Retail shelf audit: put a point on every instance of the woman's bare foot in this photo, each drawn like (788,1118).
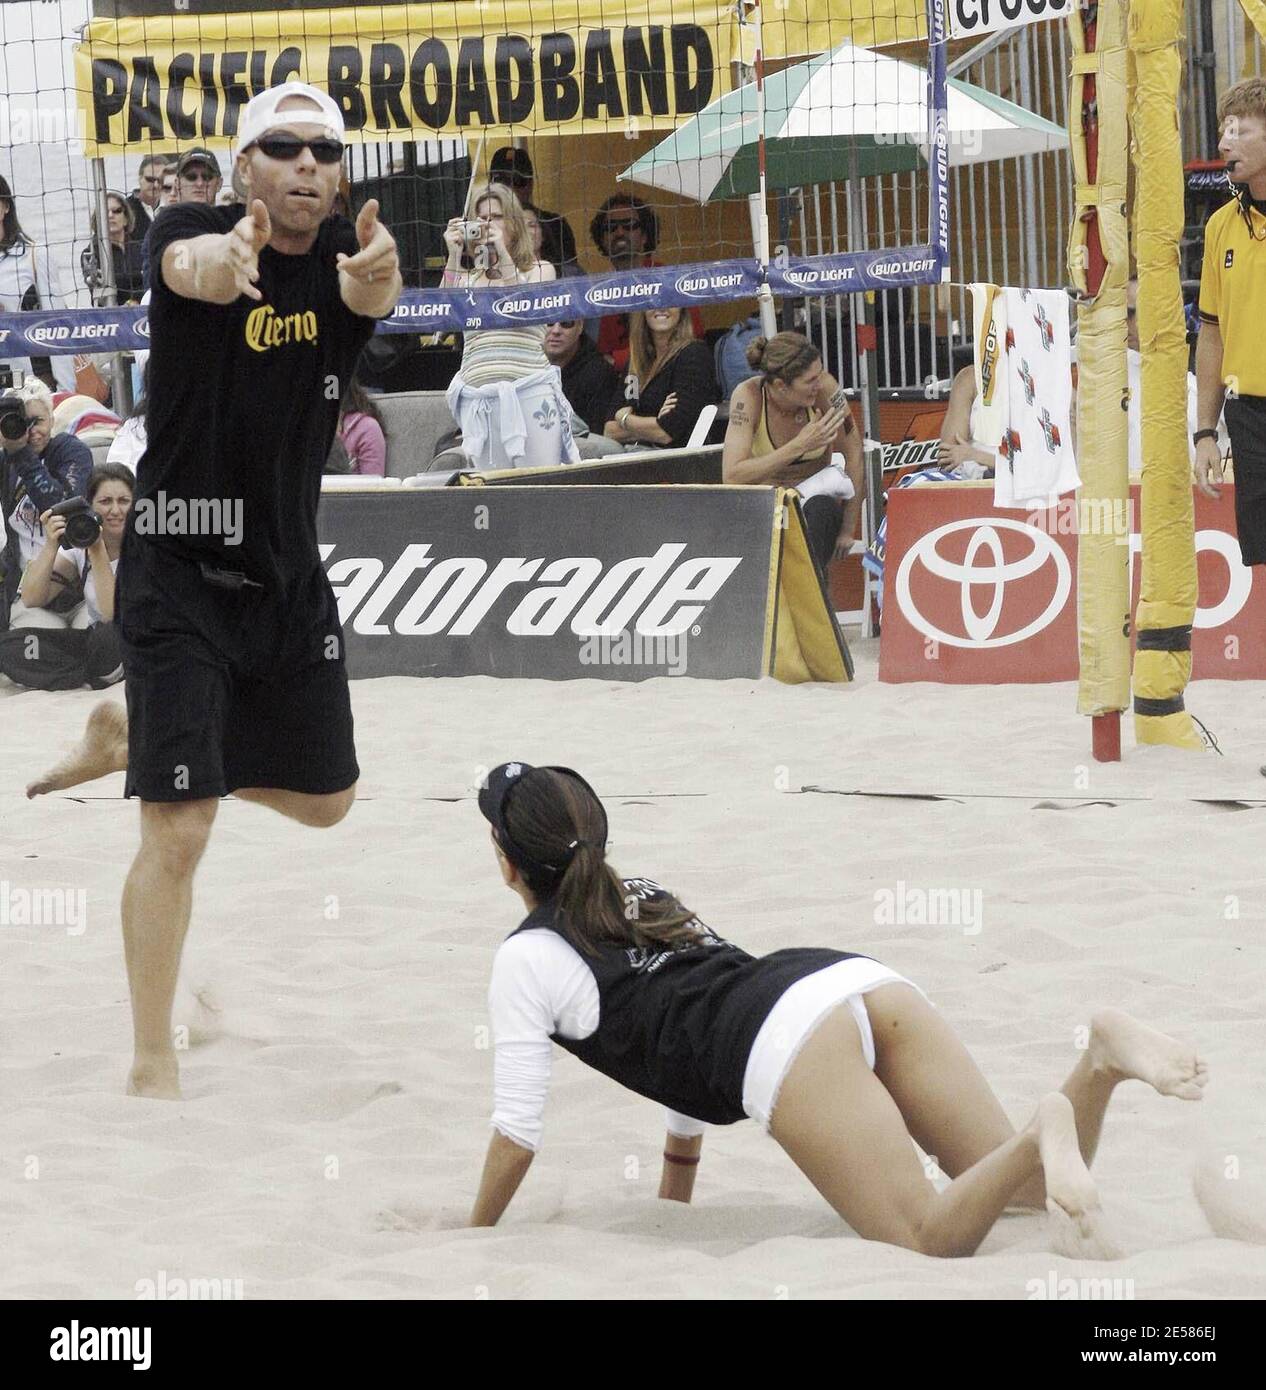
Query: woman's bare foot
(102,750)
(155,1077)
(1071,1195)
(1128,1050)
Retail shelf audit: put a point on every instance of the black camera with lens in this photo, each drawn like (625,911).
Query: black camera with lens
(13,423)
(83,525)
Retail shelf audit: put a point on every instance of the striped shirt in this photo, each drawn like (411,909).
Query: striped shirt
(491,355)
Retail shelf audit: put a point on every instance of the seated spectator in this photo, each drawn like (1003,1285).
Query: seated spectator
(360,431)
(28,281)
(507,399)
(125,252)
(532,216)
(128,444)
(40,470)
(670,381)
(731,354)
(147,197)
(70,593)
(513,167)
(198,180)
(784,426)
(171,191)
(961,449)
(590,383)
(626,231)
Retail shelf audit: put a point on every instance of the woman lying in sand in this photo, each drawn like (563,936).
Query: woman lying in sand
(840,1058)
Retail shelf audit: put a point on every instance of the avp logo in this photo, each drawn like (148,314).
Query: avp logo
(1037,549)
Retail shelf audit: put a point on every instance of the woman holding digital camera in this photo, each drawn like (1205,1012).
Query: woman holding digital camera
(85,650)
(506,397)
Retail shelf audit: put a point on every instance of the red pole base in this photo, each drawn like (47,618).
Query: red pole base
(1105,736)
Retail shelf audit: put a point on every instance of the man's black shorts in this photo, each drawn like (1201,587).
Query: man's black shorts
(1246,425)
(230,689)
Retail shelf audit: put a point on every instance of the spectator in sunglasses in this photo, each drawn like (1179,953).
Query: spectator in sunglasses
(590,383)
(626,231)
(197,179)
(147,197)
(198,173)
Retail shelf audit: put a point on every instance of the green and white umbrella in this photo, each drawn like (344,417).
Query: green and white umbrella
(849,112)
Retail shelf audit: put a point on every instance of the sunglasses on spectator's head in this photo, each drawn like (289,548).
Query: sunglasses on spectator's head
(324,150)
(562,323)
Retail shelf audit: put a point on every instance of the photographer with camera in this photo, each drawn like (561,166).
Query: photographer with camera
(79,560)
(37,471)
(506,397)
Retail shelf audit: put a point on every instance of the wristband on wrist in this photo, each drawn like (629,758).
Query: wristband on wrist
(622,416)
(680,1159)
(1203,434)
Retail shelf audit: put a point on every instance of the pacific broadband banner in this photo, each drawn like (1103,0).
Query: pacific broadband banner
(408,71)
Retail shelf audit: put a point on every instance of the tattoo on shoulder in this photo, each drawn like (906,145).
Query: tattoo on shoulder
(740,413)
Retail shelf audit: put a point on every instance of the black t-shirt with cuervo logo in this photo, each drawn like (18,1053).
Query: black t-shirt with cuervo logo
(243,405)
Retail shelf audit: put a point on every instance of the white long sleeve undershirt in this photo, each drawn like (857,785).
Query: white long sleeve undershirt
(541,985)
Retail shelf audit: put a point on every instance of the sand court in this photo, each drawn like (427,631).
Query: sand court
(338,1072)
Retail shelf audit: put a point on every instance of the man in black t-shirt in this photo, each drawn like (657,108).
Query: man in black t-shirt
(590,383)
(233,650)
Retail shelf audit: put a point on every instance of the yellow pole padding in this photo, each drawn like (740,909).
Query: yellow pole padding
(1167,592)
(1103,586)
(1255,10)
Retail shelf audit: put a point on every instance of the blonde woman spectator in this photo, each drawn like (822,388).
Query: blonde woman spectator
(507,398)
(671,378)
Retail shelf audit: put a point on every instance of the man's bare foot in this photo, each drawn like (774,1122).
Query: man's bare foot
(158,1078)
(1071,1195)
(102,750)
(1126,1049)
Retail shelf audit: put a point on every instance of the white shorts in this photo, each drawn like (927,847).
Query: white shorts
(794,1017)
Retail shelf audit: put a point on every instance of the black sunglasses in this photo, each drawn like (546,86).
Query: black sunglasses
(324,151)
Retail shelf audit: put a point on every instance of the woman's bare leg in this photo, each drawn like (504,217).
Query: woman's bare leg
(843,1130)
(953,1114)
(102,750)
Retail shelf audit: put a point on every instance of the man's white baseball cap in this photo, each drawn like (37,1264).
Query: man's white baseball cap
(260,114)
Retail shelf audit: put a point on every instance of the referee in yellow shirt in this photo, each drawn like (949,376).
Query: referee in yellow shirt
(1230,358)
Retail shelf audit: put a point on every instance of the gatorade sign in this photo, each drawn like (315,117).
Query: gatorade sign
(969,18)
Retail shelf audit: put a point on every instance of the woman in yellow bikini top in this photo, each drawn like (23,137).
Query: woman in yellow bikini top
(795,398)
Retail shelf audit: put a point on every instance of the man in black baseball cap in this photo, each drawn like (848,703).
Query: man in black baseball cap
(198,172)
(513,167)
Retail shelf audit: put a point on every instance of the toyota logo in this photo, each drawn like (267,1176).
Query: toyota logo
(994,574)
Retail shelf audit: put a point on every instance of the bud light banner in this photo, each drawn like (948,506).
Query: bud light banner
(46,333)
(975,594)
(554,583)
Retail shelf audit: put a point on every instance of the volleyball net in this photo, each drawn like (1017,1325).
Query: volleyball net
(709,124)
